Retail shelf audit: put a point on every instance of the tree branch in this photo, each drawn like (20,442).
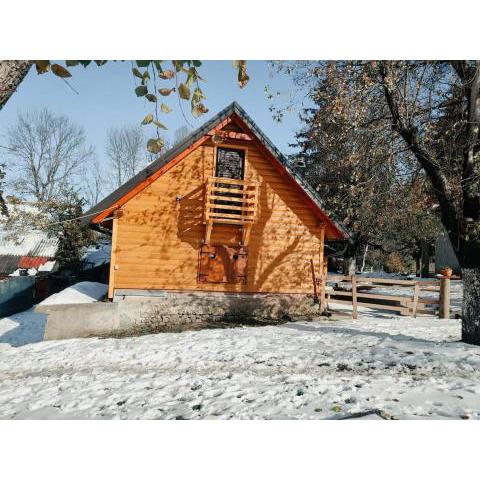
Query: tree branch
(409,134)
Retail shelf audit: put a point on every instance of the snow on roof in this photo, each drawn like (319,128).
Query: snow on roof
(97,255)
(33,244)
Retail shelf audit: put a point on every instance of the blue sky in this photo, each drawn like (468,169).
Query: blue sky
(106,99)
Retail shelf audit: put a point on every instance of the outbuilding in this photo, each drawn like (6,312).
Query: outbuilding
(223,212)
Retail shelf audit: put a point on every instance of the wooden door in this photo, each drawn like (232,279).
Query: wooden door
(222,264)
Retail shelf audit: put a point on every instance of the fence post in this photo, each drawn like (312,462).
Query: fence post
(416,293)
(354,297)
(323,292)
(314,279)
(444,310)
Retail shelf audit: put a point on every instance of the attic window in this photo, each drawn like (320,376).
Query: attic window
(230,163)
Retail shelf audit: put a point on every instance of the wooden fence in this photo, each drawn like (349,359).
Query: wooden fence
(357,291)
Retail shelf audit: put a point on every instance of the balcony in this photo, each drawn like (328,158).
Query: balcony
(231,202)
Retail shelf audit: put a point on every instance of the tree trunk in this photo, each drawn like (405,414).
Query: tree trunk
(349,265)
(471,305)
(12,72)
(364,258)
(418,265)
(425,260)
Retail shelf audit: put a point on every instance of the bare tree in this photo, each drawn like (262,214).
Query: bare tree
(3,205)
(93,185)
(46,154)
(180,134)
(126,152)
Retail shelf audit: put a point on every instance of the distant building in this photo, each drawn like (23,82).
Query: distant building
(32,252)
(25,253)
(444,254)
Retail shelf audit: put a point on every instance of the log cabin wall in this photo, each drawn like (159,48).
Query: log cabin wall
(161,230)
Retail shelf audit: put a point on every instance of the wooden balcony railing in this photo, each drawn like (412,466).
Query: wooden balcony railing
(230,201)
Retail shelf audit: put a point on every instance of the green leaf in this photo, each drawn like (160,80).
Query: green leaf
(72,63)
(196,63)
(165,108)
(166,74)
(199,109)
(165,91)
(178,65)
(42,66)
(184,91)
(151,97)
(158,64)
(155,145)
(143,63)
(159,125)
(60,71)
(85,63)
(100,62)
(191,77)
(141,91)
(198,95)
(146,75)
(137,73)
(148,119)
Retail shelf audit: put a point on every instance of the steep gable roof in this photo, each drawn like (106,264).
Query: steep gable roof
(129,189)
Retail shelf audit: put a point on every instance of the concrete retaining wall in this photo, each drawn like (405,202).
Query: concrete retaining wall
(16,294)
(170,309)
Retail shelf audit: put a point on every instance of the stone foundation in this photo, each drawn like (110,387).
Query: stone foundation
(141,313)
(200,306)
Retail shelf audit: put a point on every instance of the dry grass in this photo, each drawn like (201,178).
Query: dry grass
(150,325)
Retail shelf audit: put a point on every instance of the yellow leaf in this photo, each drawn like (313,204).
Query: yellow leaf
(155,145)
(159,125)
(165,108)
(148,119)
(199,109)
(184,91)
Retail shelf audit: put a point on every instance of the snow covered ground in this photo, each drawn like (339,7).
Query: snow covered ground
(408,368)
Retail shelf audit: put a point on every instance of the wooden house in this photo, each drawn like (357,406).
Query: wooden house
(221,212)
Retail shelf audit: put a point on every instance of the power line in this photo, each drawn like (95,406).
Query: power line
(79,218)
